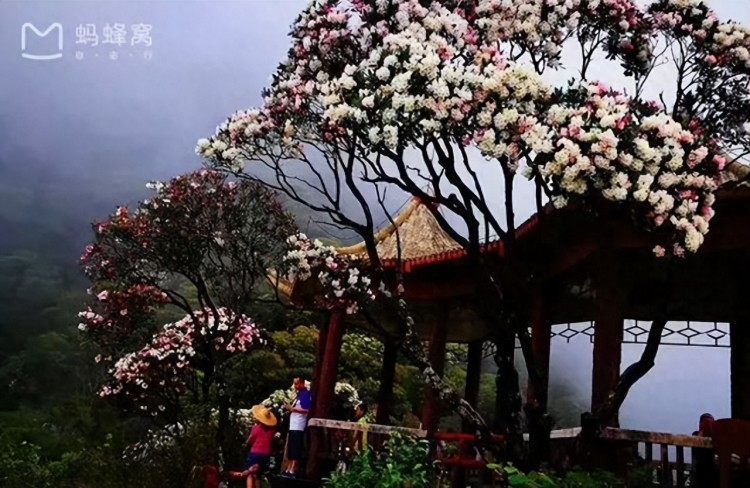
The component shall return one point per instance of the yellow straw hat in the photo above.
(264, 415)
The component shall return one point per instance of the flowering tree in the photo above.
(200, 247)
(404, 94)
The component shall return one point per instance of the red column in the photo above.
(436, 355)
(608, 331)
(537, 419)
(387, 377)
(320, 346)
(739, 366)
(541, 335)
(323, 392)
(473, 375)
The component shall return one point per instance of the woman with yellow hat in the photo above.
(260, 443)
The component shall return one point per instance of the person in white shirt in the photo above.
(297, 425)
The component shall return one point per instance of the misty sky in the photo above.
(85, 132)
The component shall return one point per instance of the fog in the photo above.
(84, 132)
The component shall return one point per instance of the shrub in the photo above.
(404, 463)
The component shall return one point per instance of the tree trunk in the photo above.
(610, 408)
(387, 377)
(507, 396)
(221, 432)
(473, 378)
(436, 356)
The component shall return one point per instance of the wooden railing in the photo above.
(341, 439)
(358, 427)
(664, 452)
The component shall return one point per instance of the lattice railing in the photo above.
(694, 334)
(705, 334)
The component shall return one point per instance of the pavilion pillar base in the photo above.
(324, 391)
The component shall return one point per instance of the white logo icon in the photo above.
(42, 57)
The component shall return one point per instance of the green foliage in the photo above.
(595, 479)
(507, 475)
(45, 370)
(64, 447)
(405, 463)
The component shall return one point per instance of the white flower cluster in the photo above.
(604, 150)
(305, 255)
(153, 444)
(541, 27)
(348, 394)
(724, 43)
(386, 93)
(343, 282)
(538, 25)
(392, 74)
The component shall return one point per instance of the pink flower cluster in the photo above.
(150, 376)
(160, 370)
(344, 284)
(118, 311)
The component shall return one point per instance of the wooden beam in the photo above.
(426, 289)
(569, 257)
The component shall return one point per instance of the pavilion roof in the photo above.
(415, 230)
(423, 242)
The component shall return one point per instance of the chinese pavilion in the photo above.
(594, 269)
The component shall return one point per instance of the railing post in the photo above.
(680, 467)
(666, 470)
